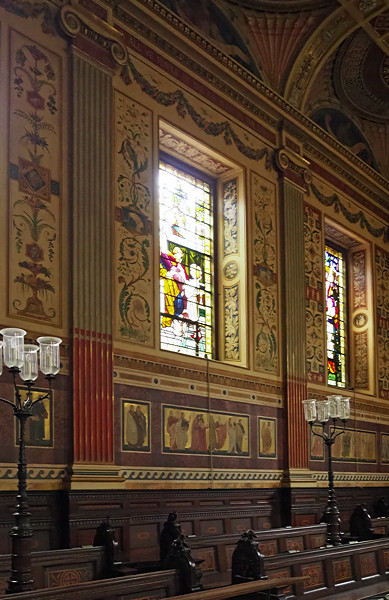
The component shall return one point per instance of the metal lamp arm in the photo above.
(339, 432)
(41, 398)
(323, 435)
(7, 402)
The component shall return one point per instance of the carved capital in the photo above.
(78, 22)
(293, 167)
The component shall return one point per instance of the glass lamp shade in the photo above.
(1, 357)
(49, 355)
(13, 340)
(323, 410)
(309, 410)
(29, 370)
(333, 406)
(344, 408)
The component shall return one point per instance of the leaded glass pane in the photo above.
(335, 306)
(185, 262)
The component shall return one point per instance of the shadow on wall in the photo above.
(345, 131)
(210, 20)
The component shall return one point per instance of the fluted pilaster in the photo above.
(295, 324)
(92, 252)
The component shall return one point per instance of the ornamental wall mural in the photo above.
(35, 159)
(266, 274)
(314, 275)
(133, 214)
(360, 317)
(231, 297)
(382, 307)
(193, 431)
(352, 446)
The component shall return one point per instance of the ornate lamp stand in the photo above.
(327, 413)
(22, 360)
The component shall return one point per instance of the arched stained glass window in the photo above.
(186, 250)
(335, 316)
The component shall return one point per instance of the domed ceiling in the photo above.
(328, 58)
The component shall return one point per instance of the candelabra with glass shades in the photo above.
(22, 360)
(327, 413)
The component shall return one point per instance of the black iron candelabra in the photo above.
(22, 360)
(327, 413)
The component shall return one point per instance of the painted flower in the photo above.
(34, 252)
(36, 53)
(35, 99)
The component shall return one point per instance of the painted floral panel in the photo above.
(35, 158)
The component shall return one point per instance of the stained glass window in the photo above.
(336, 308)
(185, 227)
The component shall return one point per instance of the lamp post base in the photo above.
(332, 518)
(20, 579)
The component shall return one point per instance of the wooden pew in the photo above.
(216, 550)
(52, 568)
(139, 587)
(336, 569)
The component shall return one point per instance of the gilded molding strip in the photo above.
(145, 32)
(199, 475)
(184, 107)
(357, 217)
(38, 472)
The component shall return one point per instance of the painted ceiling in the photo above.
(328, 58)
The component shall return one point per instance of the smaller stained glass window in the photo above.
(185, 207)
(335, 316)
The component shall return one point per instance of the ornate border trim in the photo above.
(238, 72)
(184, 108)
(354, 218)
(197, 475)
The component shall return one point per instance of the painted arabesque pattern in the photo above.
(34, 154)
(314, 276)
(382, 308)
(266, 278)
(133, 216)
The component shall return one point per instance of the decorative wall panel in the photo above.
(361, 316)
(265, 258)
(133, 216)
(35, 173)
(232, 272)
(230, 217)
(382, 308)
(314, 276)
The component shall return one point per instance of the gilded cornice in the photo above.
(79, 22)
(272, 99)
(194, 65)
